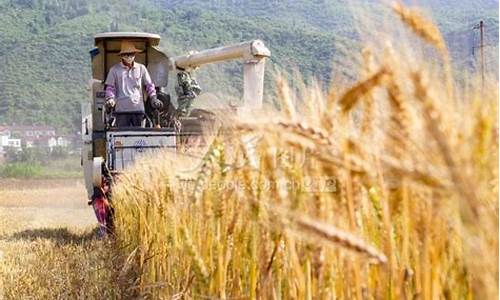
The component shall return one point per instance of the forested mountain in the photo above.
(44, 44)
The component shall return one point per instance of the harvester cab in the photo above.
(108, 150)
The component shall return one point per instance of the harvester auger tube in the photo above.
(253, 54)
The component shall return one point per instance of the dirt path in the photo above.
(48, 248)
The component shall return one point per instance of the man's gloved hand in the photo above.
(109, 104)
(155, 103)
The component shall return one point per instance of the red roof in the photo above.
(29, 127)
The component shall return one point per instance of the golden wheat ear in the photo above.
(328, 233)
(365, 87)
(422, 27)
(430, 33)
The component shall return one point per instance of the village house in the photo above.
(7, 142)
(18, 136)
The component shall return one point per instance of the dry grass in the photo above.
(48, 248)
(386, 192)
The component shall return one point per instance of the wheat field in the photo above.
(48, 244)
(382, 189)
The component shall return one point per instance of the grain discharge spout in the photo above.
(253, 54)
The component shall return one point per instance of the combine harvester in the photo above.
(108, 150)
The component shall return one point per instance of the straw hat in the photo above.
(128, 47)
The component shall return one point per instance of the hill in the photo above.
(44, 44)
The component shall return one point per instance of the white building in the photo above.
(6, 142)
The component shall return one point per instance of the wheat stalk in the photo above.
(213, 155)
(433, 123)
(199, 265)
(328, 114)
(399, 113)
(285, 98)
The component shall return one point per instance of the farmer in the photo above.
(124, 88)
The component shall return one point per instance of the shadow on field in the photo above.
(61, 236)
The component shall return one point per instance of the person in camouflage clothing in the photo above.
(187, 90)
